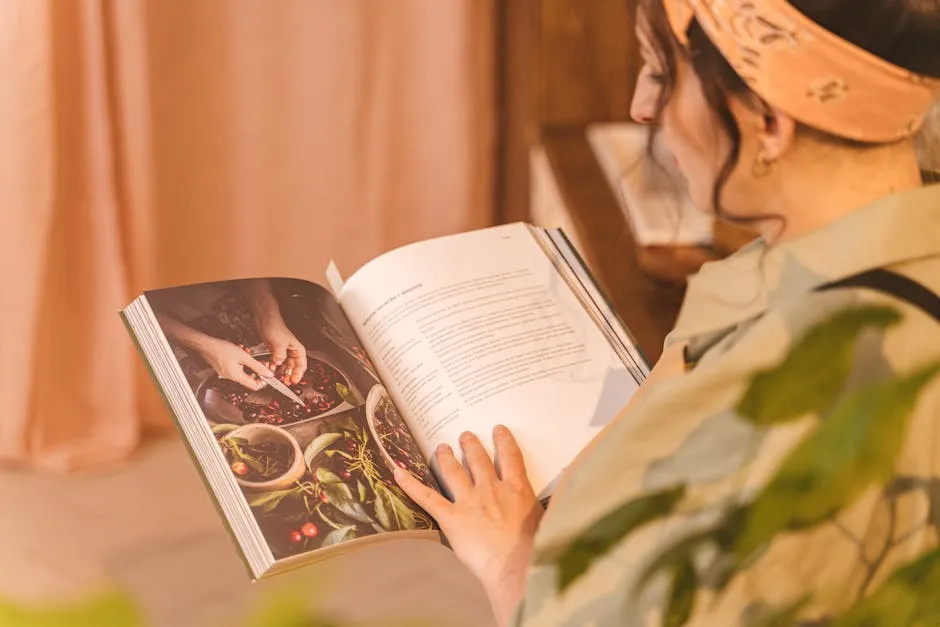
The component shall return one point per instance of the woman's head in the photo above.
(727, 140)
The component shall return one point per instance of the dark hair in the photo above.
(904, 32)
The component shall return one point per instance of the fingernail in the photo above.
(465, 436)
(398, 473)
(500, 430)
(444, 448)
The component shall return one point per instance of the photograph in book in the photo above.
(312, 448)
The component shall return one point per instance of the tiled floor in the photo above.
(150, 527)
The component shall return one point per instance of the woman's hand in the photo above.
(285, 349)
(493, 519)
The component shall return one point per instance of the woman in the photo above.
(797, 119)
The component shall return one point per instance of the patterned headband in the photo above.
(809, 73)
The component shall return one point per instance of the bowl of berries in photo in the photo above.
(324, 390)
(263, 457)
(388, 428)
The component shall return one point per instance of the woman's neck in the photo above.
(820, 184)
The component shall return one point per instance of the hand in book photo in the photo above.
(285, 348)
(493, 518)
(230, 361)
(226, 358)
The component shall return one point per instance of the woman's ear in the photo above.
(776, 134)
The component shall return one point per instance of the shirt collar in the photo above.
(898, 228)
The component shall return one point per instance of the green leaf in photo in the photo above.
(326, 476)
(345, 394)
(362, 491)
(319, 444)
(222, 429)
(573, 559)
(381, 511)
(336, 536)
(813, 374)
(856, 447)
(340, 497)
(393, 513)
(267, 502)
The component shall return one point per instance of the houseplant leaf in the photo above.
(908, 597)
(681, 594)
(814, 372)
(854, 448)
(110, 609)
(573, 559)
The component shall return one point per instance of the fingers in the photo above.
(301, 362)
(278, 354)
(509, 458)
(257, 366)
(428, 499)
(478, 460)
(452, 472)
(299, 365)
(243, 378)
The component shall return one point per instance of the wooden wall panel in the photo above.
(559, 63)
(589, 61)
(517, 66)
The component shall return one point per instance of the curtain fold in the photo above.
(159, 143)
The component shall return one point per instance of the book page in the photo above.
(311, 451)
(479, 329)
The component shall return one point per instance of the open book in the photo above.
(461, 333)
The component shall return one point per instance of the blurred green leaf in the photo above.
(813, 374)
(909, 597)
(287, 609)
(110, 609)
(319, 444)
(682, 594)
(782, 617)
(856, 447)
(574, 559)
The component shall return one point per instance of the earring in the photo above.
(763, 165)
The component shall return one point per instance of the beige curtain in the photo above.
(151, 143)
